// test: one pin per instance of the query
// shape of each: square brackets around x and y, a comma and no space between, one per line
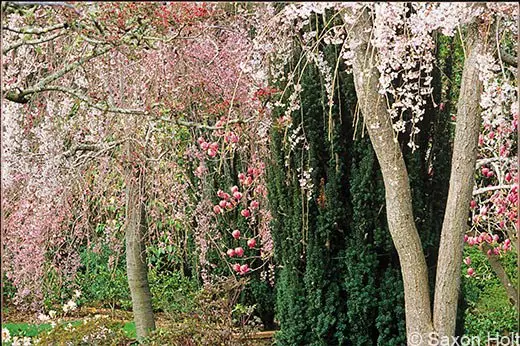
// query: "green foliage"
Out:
[487,306]
[26,329]
[8,290]
[264,298]
[172,292]
[390,322]
[101,284]
[374,284]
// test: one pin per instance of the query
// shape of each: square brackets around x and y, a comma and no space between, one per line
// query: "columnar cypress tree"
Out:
[287,224]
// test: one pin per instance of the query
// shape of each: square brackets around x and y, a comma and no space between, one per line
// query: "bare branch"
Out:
[32,42]
[483,162]
[40,3]
[491,188]
[36,31]
[92,147]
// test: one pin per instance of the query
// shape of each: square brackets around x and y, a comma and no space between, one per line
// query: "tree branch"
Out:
[32,42]
[483,162]
[92,147]
[36,31]
[40,3]
[491,188]
[21,96]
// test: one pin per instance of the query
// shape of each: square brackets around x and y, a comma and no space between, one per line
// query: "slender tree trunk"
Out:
[136,264]
[501,274]
[455,223]
[397,188]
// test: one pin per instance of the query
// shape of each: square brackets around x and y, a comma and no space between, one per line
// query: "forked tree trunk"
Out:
[136,264]
[397,188]
[421,324]
[462,180]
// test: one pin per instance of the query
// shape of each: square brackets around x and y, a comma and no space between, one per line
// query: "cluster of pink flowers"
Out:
[483,238]
[239,252]
[210,148]
[493,240]
[231,137]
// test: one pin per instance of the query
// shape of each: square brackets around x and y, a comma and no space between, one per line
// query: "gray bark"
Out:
[455,223]
[136,264]
[397,188]
[421,324]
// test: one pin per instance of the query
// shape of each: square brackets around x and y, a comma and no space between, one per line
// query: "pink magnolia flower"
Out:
[239,251]
[244,269]
[251,243]
[245,213]
[236,234]
[471,271]
[254,204]
[231,252]
[212,152]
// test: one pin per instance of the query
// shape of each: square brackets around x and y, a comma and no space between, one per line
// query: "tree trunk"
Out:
[136,264]
[455,223]
[501,274]
[397,189]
